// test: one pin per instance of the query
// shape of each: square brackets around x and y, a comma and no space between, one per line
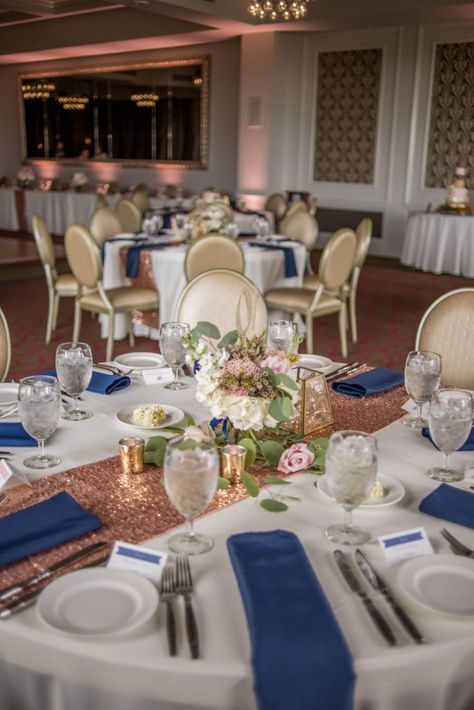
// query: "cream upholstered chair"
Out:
[226,298]
[363,234]
[84,259]
[313,206]
[335,265]
[277,204]
[104,224]
[129,215]
[211,252]
[62,285]
[447,328]
[140,197]
[296,206]
[5,347]
[301,226]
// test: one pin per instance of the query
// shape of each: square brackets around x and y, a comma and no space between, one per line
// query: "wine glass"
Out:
[39,405]
[173,350]
[282,335]
[180,220]
[262,228]
[351,468]
[191,472]
[450,425]
[74,371]
[422,378]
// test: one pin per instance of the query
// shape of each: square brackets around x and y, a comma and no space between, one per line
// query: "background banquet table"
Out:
[41,669]
[441,243]
[265,268]
[8,210]
[62,208]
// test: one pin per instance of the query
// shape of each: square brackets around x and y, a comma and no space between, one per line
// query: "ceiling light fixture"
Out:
[145,100]
[38,90]
[73,103]
[278,9]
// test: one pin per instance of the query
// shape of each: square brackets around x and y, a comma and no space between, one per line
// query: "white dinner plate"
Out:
[441,583]
[8,393]
[314,362]
[173,415]
[393,492]
[140,361]
[97,602]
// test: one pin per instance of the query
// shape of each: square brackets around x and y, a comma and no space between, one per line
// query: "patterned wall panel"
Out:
[451,132]
[346,115]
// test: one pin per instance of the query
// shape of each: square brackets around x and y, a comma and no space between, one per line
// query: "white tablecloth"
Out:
[44,670]
[8,212]
[264,267]
[61,209]
[440,243]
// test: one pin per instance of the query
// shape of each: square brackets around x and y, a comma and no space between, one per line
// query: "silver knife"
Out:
[379,585]
[27,600]
[15,589]
[345,372]
[355,587]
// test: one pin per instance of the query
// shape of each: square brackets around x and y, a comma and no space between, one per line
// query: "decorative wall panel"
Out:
[346,115]
[451,132]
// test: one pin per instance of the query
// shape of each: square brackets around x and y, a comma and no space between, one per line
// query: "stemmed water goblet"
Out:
[422,379]
[262,228]
[74,371]
[191,472]
[180,220]
[173,350]
[282,335]
[450,424]
[39,406]
[351,469]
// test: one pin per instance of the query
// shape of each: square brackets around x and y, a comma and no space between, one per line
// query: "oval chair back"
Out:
[83,256]
[213,251]
[43,240]
[337,259]
[296,206]
[277,204]
[140,198]
[104,224]
[301,226]
[363,232]
[129,216]
[5,347]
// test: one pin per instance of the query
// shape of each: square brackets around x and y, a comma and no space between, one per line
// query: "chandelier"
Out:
[73,103]
[38,90]
[278,9]
[145,100]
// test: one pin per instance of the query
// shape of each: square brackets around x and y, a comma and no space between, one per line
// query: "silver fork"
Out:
[185,588]
[168,595]
[456,545]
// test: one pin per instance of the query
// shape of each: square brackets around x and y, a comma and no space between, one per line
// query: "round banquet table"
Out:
[8,211]
[265,268]
[43,669]
[441,243]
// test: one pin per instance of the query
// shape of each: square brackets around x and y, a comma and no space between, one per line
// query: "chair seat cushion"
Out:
[311,281]
[66,285]
[300,299]
[124,298]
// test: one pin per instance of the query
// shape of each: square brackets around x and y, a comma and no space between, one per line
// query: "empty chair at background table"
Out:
[211,252]
[130,217]
[104,224]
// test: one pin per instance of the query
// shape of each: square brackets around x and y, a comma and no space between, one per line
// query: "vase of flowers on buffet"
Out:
[26,178]
[79,182]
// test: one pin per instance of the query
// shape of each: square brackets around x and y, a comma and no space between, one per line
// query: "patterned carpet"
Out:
[391,302]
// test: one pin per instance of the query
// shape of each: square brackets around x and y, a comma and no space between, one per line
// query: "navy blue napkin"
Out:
[133,257]
[102,383]
[42,526]
[290,262]
[450,503]
[373,382]
[13,434]
[299,655]
[467,446]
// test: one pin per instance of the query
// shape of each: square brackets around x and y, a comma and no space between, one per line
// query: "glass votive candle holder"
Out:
[132,454]
[233,462]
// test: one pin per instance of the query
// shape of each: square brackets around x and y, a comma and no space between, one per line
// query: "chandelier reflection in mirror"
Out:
[278,9]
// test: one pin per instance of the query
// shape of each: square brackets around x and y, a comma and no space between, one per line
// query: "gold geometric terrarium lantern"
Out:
[313,411]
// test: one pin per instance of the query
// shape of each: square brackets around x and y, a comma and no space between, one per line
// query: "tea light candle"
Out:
[132,454]
[233,462]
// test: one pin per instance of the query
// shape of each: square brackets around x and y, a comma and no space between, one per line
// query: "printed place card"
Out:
[403,545]
[8,475]
[158,376]
[135,558]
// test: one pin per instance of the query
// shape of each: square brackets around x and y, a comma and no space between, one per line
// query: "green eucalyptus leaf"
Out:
[229,339]
[273,506]
[154,442]
[319,444]
[277,481]
[160,451]
[222,483]
[275,409]
[272,451]
[248,444]
[190,421]
[250,484]
[208,329]
[287,382]
[187,444]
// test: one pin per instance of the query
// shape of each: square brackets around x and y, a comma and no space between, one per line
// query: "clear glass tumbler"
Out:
[74,371]
[450,424]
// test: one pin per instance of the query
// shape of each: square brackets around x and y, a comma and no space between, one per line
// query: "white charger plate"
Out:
[394,492]
[98,602]
[173,415]
[314,362]
[140,361]
[8,393]
[440,583]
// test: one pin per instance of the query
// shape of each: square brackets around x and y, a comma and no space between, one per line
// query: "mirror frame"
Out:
[202,164]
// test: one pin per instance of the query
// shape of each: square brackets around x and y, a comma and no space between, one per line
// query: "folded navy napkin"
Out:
[450,503]
[467,446]
[288,253]
[299,655]
[133,257]
[42,526]
[102,383]
[13,434]
[373,382]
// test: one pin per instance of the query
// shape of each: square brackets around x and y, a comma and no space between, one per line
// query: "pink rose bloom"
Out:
[295,458]
[279,365]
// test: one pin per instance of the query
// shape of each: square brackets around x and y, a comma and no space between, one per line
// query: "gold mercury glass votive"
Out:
[132,454]
[233,462]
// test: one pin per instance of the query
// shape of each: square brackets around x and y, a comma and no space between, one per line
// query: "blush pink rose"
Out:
[279,365]
[295,458]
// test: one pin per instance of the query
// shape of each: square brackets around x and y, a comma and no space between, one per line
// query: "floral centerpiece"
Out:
[26,177]
[211,219]
[79,181]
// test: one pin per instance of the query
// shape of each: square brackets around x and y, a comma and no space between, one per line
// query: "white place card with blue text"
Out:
[136,558]
[405,544]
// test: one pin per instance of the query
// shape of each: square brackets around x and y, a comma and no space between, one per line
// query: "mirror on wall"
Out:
[154,113]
